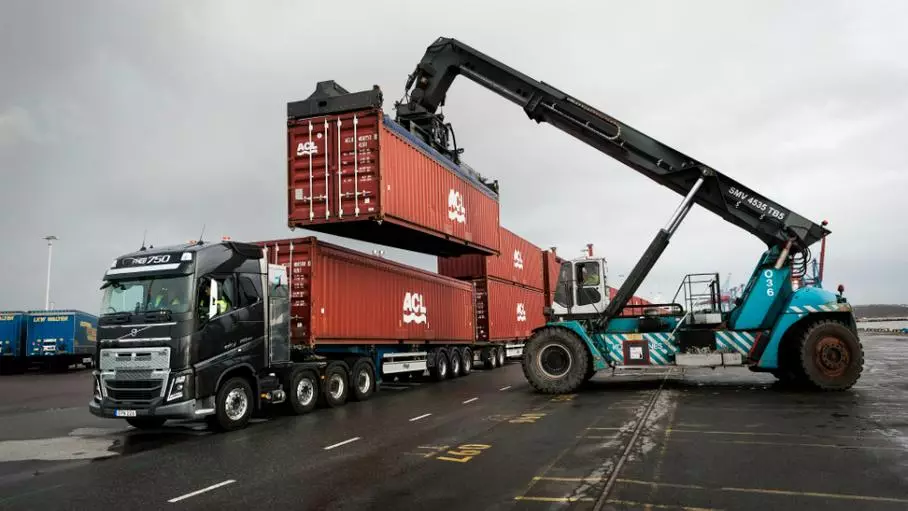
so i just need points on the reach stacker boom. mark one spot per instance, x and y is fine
(805, 336)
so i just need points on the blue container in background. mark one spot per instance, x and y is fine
(12, 338)
(66, 335)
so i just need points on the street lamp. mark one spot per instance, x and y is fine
(50, 245)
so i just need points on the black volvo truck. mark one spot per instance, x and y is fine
(195, 331)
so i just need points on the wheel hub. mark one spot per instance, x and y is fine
(555, 360)
(832, 356)
(364, 381)
(236, 404)
(337, 386)
(304, 392)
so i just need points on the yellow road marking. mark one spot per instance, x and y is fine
(657, 506)
(555, 499)
(769, 491)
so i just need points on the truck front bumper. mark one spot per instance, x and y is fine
(184, 410)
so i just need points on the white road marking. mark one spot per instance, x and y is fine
(505, 388)
(470, 400)
(423, 416)
(203, 490)
(342, 443)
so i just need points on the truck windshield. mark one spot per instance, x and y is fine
(145, 295)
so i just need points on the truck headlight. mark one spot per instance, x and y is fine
(98, 395)
(178, 385)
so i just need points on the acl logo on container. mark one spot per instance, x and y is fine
(306, 148)
(521, 312)
(414, 308)
(518, 260)
(456, 210)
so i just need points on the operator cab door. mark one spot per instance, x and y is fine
(581, 289)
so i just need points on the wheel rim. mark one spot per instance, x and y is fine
(442, 365)
(305, 391)
(501, 356)
(363, 381)
(337, 386)
(555, 360)
(832, 357)
(467, 360)
(455, 363)
(236, 404)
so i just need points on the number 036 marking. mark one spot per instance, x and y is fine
(464, 453)
(768, 275)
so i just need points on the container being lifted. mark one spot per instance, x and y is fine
(354, 172)
(520, 262)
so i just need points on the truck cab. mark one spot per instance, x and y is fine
(178, 323)
(582, 289)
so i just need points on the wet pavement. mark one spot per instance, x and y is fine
(723, 439)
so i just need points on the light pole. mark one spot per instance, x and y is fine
(50, 245)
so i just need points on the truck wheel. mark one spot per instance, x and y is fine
(555, 361)
(335, 390)
(302, 395)
(440, 371)
(362, 379)
(502, 356)
(146, 422)
(233, 406)
(487, 357)
(455, 362)
(466, 362)
(831, 356)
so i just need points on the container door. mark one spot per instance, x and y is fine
(334, 167)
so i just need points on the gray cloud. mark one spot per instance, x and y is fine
(121, 117)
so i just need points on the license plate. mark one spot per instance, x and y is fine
(125, 413)
(86, 360)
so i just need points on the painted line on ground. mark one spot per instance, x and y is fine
(505, 388)
(768, 491)
(470, 400)
(345, 442)
(203, 490)
(423, 416)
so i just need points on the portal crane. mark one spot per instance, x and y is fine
(806, 336)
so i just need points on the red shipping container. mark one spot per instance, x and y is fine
(360, 175)
(341, 296)
(506, 312)
(551, 272)
(520, 262)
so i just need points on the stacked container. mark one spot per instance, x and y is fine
(61, 336)
(510, 288)
(12, 340)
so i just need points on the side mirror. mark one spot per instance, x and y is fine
(212, 299)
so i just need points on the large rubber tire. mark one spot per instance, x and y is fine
(466, 361)
(303, 391)
(487, 356)
(555, 361)
(146, 422)
(590, 371)
(502, 356)
(234, 395)
(336, 388)
(362, 380)
(442, 366)
(456, 361)
(831, 356)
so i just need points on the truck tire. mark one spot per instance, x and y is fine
(456, 360)
(466, 362)
(555, 361)
(502, 356)
(302, 393)
(362, 380)
(233, 405)
(336, 387)
(487, 357)
(442, 367)
(831, 356)
(146, 422)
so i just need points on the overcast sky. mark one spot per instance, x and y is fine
(116, 117)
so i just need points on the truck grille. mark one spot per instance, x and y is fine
(135, 376)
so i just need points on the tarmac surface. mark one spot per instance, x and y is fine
(723, 439)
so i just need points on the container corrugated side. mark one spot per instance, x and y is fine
(12, 333)
(506, 312)
(342, 296)
(519, 262)
(362, 176)
(551, 265)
